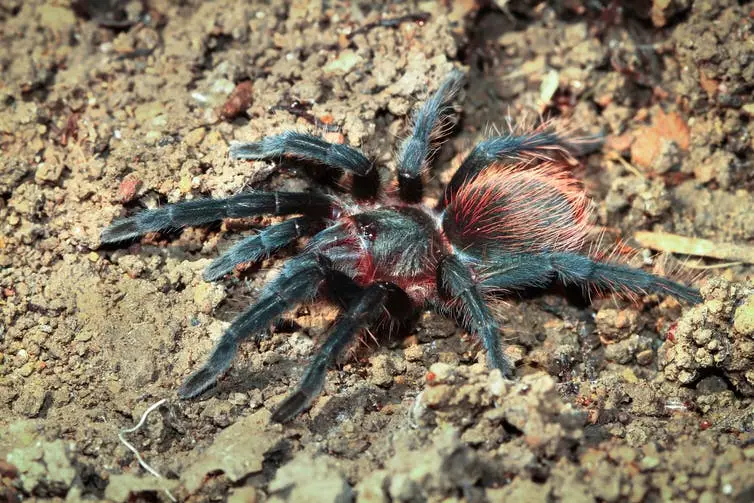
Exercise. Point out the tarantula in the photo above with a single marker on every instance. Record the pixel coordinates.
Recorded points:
(511, 218)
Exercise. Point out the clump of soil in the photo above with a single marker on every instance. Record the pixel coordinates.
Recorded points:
(110, 107)
(705, 340)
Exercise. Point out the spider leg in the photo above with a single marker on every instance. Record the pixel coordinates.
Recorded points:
(261, 245)
(363, 309)
(306, 146)
(579, 269)
(456, 282)
(203, 211)
(538, 270)
(510, 148)
(417, 148)
(511, 272)
(298, 282)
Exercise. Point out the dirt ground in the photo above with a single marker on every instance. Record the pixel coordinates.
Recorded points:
(108, 107)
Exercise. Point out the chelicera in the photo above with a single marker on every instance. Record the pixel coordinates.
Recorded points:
(512, 217)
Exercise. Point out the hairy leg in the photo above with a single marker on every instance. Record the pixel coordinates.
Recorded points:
(299, 281)
(261, 245)
(513, 272)
(362, 310)
(579, 269)
(305, 146)
(522, 271)
(428, 124)
(203, 211)
(456, 282)
(510, 148)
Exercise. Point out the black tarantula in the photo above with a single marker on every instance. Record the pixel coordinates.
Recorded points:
(511, 218)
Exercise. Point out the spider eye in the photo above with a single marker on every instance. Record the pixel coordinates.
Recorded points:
(368, 230)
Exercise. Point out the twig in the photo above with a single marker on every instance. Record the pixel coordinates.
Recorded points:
(421, 18)
(133, 449)
(615, 156)
(673, 243)
(700, 266)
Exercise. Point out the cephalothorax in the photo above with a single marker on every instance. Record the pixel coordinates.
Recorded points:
(510, 218)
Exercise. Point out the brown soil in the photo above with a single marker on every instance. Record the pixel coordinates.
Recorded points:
(107, 107)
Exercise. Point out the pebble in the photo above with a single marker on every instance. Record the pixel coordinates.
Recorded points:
(27, 369)
(195, 137)
(344, 63)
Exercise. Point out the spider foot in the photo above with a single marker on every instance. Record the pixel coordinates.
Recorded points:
(121, 230)
(291, 406)
(197, 383)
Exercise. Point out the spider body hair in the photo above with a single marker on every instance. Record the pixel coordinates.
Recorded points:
(517, 208)
(511, 218)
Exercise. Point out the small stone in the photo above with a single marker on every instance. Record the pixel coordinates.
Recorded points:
(44, 468)
(238, 451)
(56, 18)
(93, 257)
(629, 376)
(685, 377)
(152, 137)
(743, 319)
(160, 121)
(246, 494)
(127, 487)
(215, 139)
(51, 169)
(306, 478)
(413, 353)
(195, 137)
(128, 188)
(31, 400)
(383, 370)
(496, 384)
(344, 63)
(645, 357)
(27, 369)
(443, 373)
(207, 296)
(184, 185)
(648, 463)
(702, 337)
(148, 111)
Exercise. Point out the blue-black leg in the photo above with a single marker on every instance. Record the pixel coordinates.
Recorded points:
(582, 270)
(538, 271)
(305, 146)
(299, 281)
(261, 245)
(416, 149)
(363, 310)
(500, 148)
(204, 211)
(459, 287)
(515, 272)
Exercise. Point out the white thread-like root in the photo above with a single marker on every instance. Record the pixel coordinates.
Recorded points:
(130, 447)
